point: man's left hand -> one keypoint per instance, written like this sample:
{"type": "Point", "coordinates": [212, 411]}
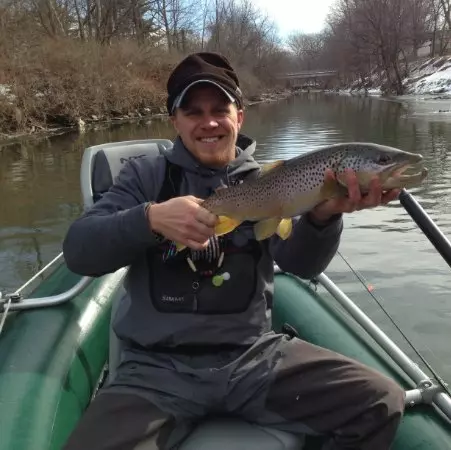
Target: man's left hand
{"type": "Point", "coordinates": [355, 201]}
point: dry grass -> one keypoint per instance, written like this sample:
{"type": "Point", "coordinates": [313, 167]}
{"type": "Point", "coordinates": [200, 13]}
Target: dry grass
{"type": "Point", "coordinates": [54, 83]}
{"type": "Point", "coordinates": [58, 82]}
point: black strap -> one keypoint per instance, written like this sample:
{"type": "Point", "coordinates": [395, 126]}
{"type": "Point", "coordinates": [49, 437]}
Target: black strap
{"type": "Point", "coordinates": [170, 187]}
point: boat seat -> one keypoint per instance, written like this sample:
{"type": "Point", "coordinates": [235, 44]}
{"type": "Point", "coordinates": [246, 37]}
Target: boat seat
{"type": "Point", "coordinates": [100, 166]}
{"type": "Point", "coordinates": [226, 434]}
{"type": "Point", "coordinates": [102, 163]}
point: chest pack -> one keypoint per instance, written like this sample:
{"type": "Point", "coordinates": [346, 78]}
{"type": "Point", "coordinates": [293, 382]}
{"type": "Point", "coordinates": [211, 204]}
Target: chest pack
{"type": "Point", "coordinates": [209, 282]}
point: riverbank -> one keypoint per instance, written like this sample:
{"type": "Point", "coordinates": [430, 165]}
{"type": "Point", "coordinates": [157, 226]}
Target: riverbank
{"type": "Point", "coordinates": [64, 85]}
{"type": "Point", "coordinates": [150, 112]}
{"type": "Point", "coordinates": [427, 76]}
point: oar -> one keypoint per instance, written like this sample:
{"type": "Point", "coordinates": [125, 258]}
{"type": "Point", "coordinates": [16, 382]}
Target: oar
{"type": "Point", "coordinates": [426, 224]}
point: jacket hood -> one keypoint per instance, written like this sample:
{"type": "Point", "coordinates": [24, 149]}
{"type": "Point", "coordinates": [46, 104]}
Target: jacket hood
{"type": "Point", "coordinates": [243, 162]}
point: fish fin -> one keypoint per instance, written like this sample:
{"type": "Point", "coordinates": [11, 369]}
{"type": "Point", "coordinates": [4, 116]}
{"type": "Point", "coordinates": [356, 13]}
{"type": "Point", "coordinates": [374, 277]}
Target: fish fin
{"type": "Point", "coordinates": [226, 225]}
{"type": "Point", "coordinates": [220, 188]}
{"type": "Point", "coordinates": [269, 166]}
{"type": "Point", "coordinates": [341, 178]}
{"type": "Point", "coordinates": [332, 188]}
{"type": "Point", "coordinates": [284, 229]}
{"type": "Point", "coordinates": [266, 228]}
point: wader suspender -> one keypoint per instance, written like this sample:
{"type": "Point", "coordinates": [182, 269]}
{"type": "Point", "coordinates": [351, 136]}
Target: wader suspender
{"type": "Point", "coordinates": [170, 187]}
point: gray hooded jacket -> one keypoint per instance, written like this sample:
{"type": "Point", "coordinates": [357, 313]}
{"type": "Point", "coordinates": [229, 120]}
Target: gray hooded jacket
{"type": "Point", "coordinates": [115, 233]}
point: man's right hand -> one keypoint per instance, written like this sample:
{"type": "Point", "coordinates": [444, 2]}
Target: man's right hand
{"type": "Point", "coordinates": [183, 220]}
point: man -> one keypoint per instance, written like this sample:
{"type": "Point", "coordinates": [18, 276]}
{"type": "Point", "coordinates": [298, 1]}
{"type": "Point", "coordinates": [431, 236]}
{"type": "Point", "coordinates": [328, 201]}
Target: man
{"type": "Point", "coordinates": [193, 345]}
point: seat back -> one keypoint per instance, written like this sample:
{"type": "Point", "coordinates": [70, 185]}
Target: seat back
{"type": "Point", "coordinates": [102, 163]}
{"type": "Point", "coordinates": [100, 166]}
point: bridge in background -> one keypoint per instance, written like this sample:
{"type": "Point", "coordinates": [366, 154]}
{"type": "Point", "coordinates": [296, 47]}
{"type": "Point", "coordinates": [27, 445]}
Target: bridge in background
{"type": "Point", "coordinates": [306, 77]}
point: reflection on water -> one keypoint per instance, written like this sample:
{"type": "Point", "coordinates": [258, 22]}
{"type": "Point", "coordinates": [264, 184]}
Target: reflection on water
{"type": "Point", "coordinates": [40, 195]}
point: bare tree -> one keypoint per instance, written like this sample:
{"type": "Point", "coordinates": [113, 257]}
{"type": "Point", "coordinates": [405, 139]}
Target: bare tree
{"type": "Point", "coordinates": [419, 22]}
{"type": "Point", "coordinates": [446, 8]}
{"type": "Point", "coordinates": [307, 48]}
{"type": "Point", "coordinates": [379, 33]}
{"type": "Point", "coordinates": [441, 25]}
{"type": "Point", "coordinates": [240, 31]}
{"type": "Point", "coordinates": [51, 16]}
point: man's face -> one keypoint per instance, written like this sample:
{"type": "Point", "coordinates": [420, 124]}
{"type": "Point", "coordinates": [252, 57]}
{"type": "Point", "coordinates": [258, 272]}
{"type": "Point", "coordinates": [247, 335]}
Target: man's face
{"type": "Point", "coordinates": [208, 125]}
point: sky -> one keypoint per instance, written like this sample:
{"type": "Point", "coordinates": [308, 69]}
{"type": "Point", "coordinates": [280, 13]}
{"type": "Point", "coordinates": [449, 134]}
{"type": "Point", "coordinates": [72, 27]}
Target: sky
{"type": "Point", "coordinates": [306, 16]}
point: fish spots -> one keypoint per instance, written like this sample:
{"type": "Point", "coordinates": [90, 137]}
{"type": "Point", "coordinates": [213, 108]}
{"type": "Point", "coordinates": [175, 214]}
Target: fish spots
{"type": "Point", "coordinates": [294, 185]}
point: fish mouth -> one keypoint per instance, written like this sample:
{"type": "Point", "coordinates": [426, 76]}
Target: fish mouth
{"type": "Point", "coordinates": [407, 174]}
{"type": "Point", "coordinates": [414, 158]}
{"type": "Point", "coordinates": [407, 169]}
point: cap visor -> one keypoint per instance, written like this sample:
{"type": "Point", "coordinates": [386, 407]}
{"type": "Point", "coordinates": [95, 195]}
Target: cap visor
{"type": "Point", "coordinates": [179, 99]}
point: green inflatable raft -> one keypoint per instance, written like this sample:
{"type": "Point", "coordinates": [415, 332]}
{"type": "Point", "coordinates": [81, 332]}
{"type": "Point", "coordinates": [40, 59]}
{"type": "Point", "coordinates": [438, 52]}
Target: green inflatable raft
{"type": "Point", "coordinates": [57, 348]}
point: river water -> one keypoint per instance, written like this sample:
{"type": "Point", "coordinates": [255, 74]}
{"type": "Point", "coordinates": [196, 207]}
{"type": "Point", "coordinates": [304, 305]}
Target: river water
{"type": "Point", "coordinates": [40, 196]}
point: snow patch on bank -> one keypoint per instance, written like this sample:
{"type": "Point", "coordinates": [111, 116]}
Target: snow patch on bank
{"type": "Point", "coordinates": [5, 91]}
{"type": "Point", "coordinates": [431, 77]}
{"type": "Point", "coordinates": [426, 76]}
{"type": "Point", "coordinates": [375, 91]}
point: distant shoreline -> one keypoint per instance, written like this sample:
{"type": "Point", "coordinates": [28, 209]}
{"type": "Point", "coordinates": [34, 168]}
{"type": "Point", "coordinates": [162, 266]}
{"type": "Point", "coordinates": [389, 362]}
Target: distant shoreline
{"type": "Point", "coordinates": [428, 79]}
{"type": "Point", "coordinates": [85, 123]}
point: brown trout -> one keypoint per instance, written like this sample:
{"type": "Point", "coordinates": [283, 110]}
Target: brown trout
{"type": "Point", "coordinates": [288, 188]}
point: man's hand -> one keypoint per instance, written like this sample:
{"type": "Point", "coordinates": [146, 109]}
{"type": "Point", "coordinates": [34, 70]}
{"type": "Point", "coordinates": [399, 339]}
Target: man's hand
{"type": "Point", "coordinates": [183, 220]}
{"type": "Point", "coordinates": [355, 200]}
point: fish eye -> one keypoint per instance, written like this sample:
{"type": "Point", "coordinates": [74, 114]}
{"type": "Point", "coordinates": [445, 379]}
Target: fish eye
{"type": "Point", "coordinates": [384, 159]}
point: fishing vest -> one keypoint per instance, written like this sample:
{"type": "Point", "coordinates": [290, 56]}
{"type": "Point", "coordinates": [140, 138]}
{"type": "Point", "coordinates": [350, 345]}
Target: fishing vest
{"type": "Point", "coordinates": [219, 280]}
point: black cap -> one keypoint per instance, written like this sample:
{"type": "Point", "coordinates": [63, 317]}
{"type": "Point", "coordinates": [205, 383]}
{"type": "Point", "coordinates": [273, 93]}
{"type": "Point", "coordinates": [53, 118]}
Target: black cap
{"type": "Point", "coordinates": [204, 67]}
